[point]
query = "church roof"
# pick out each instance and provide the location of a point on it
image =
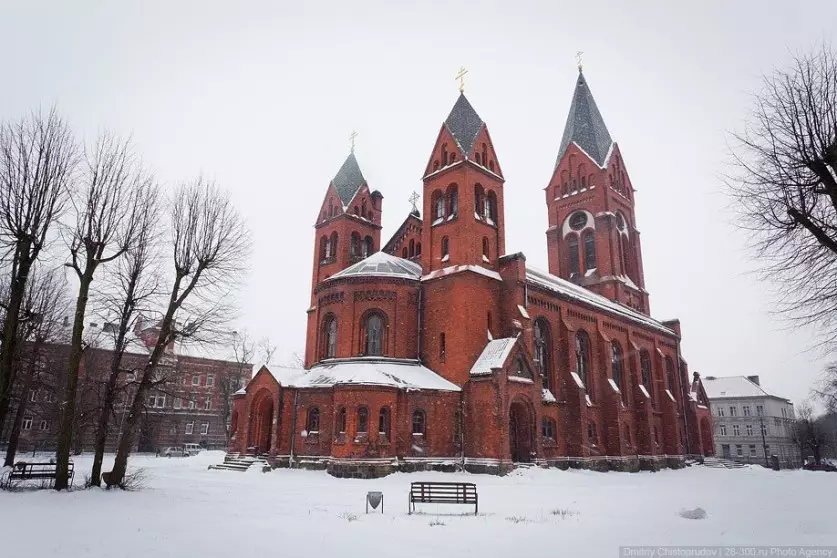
(493, 356)
(348, 179)
(399, 234)
(381, 264)
(585, 126)
(464, 124)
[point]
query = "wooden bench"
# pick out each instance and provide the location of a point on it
(35, 471)
(442, 493)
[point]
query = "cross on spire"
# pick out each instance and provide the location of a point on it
(352, 139)
(578, 56)
(460, 75)
(414, 197)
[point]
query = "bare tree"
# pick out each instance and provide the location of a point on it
(826, 390)
(786, 186)
(41, 319)
(209, 246)
(136, 285)
(109, 215)
(244, 350)
(37, 159)
(266, 350)
(808, 433)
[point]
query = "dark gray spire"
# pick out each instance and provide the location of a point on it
(464, 124)
(348, 179)
(585, 125)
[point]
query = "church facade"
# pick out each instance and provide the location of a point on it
(440, 349)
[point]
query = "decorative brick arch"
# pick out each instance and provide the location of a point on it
(261, 422)
(522, 430)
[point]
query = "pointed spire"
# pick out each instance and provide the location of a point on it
(348, 179)
(464, 124)
(585, 126)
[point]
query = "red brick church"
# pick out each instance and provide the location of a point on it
(441, 349)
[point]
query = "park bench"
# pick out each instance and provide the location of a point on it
(442, 493)
(36, 471)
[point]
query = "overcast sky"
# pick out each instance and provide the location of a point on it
(263, 97)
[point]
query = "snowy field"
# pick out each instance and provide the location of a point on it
(187, 510)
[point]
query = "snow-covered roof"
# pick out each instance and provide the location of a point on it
(547, 396)
(585, 126)
(284, 375)
(733, 386)
(590, 298)
(460, 268)
(371, 371)
(493, 356)
(381, 264)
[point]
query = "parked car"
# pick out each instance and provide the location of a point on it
(192, 449)
(175, 451)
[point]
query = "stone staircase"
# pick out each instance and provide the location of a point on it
(720, 463)
(238, 462)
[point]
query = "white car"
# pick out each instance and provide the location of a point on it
(191, 449)
(175, 451)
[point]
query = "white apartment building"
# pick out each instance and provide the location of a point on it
(751, 424)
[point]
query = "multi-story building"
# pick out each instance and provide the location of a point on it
(751, 424)
(445, 348)
(191, 403)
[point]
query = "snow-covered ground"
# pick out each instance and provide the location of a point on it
(187, 510)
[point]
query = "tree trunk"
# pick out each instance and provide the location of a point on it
(9, 340)
(14, 435)
(65, 434)
(102, 429)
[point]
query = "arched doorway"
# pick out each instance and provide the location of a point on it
(261, 422)
(706, 437)
(521, 431)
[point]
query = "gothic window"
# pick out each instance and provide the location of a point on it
(484, 154)
(616, 364)
(355, 244)
(312, 425)
(333, 245)
(363, 209)
(368, 246)
(362, 420)
(491, 207)
(404, 253)
(445, 247)
(438, 206)
(419, 423)
(453, 200)
(547, 429)
(374, 330)
(477, 158)
(444, 154)
(442, 348)
(479, 203)
(485, 247)
(330, 337)
(418, 248)
(589, 250)
(582, 357)
(324, 249)
(341, 421)
(383, 421)
(572, 249)
(542, 351)
(412, 247)
(670, 375)
(645, 369)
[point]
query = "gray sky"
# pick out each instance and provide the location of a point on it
(263, 97)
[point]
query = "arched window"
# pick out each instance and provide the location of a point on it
(542, 351)
(419, 423)
(362, 420)
(582, 357)
(418, 248)
(368, 246)
(404, 253)
(355, 211)
(484, 154)
(325, 252)
(444, 154)
(445, 247)
(438, 206)
(333, 244)
(374, 334)
(355, 244)
(312, 425)
(589, 250)
(412, 247)
(670, 376)
(485, 248)
(363, 212)
(645, 369)
(491, 207)
(383, 422)
(547, 429)
(491, 166)
(572, 255)
(329, 349)
(442, 347)
(453, 200)
(616, 365)
(479, 200)
(340, 427)
(436, 165)
(452, 156)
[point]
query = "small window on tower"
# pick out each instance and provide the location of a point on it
(442, 348)
(485, 257)
(445, 249)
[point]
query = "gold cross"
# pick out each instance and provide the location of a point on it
(352, 139)
(578, 57)
(414, 197)
(460, 75)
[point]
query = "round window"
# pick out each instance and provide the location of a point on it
(578, 220)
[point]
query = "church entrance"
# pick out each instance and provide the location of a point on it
(521, 432)
(261, 427)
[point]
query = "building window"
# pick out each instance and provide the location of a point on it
(442, 347)
(404, 253)
(720, 411)
(764, 430)
(412, 250)
(312, 424)
(572, 253)
(173, 429)
(158, 401)
(196, 380)
(33, 396)
(438, 206)
(368, 246)
(739, 450)
(491, 208)
(354, 245)
(670, 375)
(383, 422)
(419, 423)
(752, 450)
(204, 428)
(190, 427)
(479, 201)
(453, 201)
(645, 369)
(746, 410)
(178, 403)
(207, 404)
(362, 420)
(749, 429)
(374, 334)
(547, 429)
(759, 410)
(192, 403)
(44, 425)
(445, 249)
(329, 349)
(210, 380)
(722, 429)
(733, 411)
(341, 421)
(589, 250)
(582, 357)
(736, 431)
(616, 364)
(542, 351)
(485, 256)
